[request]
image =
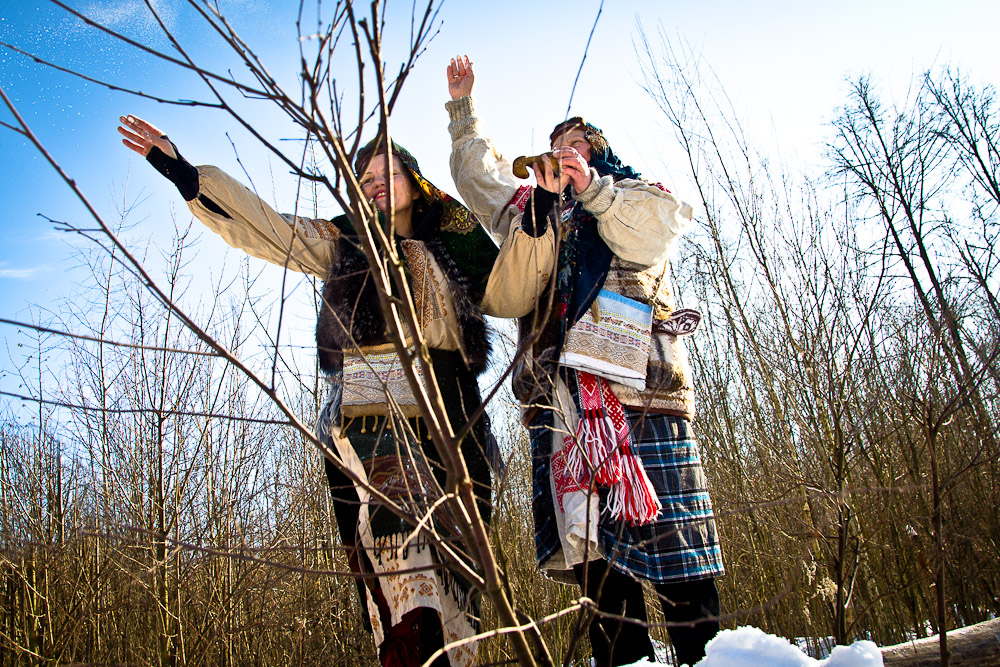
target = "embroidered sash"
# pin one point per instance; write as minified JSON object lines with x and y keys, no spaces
{"x":615,"y":343}
{"x":603,"y":449}
{"x":371,"y":377}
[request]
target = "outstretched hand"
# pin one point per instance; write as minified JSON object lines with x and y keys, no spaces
{"x":461,"y":78}
{"x":141,"y":136}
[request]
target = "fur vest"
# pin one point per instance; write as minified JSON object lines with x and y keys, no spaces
{"x":351,"y":314}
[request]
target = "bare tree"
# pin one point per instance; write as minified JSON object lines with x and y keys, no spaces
{"x":333,"y":129}
{"x":847,"y":343}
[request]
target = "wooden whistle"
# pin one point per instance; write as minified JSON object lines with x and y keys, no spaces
{"x":521,"y":164}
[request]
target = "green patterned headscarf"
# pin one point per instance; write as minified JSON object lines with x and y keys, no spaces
{"x":454,"y":216}
{"x":471,"y":249}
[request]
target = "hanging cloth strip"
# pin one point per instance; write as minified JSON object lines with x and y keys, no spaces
{"x":602,"y":446}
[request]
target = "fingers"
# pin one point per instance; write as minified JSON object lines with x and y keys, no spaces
{"x":575,"y":167}
{"x":570,"y":161}
{"x":126,"y":132}
{"x":459,"y":68}
{"x":139,"y":125}
{"x":546,"y":176}
{"x":461,"y":77}
{"x":133,"y":138}
{"x":140,"y":136}
{"x":135,"y":147}
{"x":539,"y":171}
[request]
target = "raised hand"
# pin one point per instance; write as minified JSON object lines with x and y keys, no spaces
{"x":141,"y":136}
{"x":461,"y":78}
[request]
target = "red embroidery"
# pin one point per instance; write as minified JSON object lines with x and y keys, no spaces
{"x":520,"y":198}
{"x":660,"y":185}
{"x":604,"y":433}
{"x":564,"y":482}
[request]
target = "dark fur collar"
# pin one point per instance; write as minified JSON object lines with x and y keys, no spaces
{"x":351,"y":314}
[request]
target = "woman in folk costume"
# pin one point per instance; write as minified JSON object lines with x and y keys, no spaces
{"x":619,"y":492}
{"x":447,"y":259}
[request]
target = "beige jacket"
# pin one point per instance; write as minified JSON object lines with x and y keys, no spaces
{"x":639,"y":221}
{"x":308,"y":246}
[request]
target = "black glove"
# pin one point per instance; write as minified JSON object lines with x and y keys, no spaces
{"x":183,"y":174}
{"x":178,"y":171}
{"x":541,"y":206}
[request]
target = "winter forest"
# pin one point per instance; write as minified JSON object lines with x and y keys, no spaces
{"x":163,"y":499}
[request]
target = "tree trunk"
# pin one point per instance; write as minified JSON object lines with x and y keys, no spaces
{"x":973,"y":646}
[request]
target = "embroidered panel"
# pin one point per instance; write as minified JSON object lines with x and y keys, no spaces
{"x":426,"y":283}
{"x":648,"y":285}
{"x":520,"y":198}
{"x":615,"y":343}
{"x":563,"y":481}
{"x":372,"y":376}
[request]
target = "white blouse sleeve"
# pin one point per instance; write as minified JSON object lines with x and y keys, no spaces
{"x":639,"y":221}
{"x":298,"y":243}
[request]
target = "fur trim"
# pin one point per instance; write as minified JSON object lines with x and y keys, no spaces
{"x":351,"y":314}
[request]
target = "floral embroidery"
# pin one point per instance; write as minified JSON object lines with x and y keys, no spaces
{"x":425,"y":282}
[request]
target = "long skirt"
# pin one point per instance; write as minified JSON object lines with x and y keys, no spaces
{"x":572,"y":525}
{"x":397,"y":458}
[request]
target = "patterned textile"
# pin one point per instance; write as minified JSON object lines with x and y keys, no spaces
{"x":603,"y":444}
{"x":615,"y":344}
{"x":682,"y":544}
{"x":371,"y":377}
{"x":430,"y":296}
{"x":395,"y":457}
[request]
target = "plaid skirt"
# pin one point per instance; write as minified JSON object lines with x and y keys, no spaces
{"x":682,"y":544}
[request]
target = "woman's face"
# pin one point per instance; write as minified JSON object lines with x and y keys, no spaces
{"x":374,"y":184}
{"x":576,"y":139}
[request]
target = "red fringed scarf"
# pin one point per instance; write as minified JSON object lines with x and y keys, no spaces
{"x":602,"y":447}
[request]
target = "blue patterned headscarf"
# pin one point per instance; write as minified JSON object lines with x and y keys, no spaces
{"x":602,"y":158}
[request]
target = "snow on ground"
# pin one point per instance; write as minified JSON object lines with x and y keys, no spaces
{"x":751,"y":647}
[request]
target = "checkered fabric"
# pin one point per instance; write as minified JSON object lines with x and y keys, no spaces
{"x":682,"y":544}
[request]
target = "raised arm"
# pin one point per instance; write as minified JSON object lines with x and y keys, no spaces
{"x":481,"y":173}
{"x":228,"y":208}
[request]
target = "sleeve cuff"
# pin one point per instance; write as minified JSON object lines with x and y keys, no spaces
{"x":462,"y":117}
{"x":535,"y":220}
{"x":599,"y":194}
{"x":177,"y":170}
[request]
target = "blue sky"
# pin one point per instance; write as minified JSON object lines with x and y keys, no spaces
{"x":785,"y":64}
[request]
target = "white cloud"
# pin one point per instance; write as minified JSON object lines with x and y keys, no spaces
{"x":21,"y":274}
